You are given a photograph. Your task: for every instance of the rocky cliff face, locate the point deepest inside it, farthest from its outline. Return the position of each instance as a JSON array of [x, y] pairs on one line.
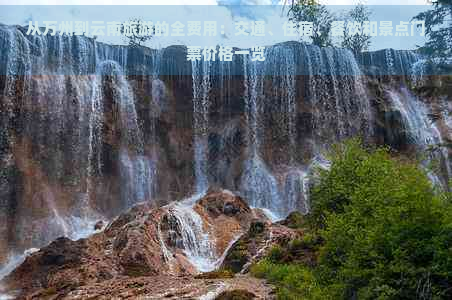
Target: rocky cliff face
[[89, 130], [170, 243]]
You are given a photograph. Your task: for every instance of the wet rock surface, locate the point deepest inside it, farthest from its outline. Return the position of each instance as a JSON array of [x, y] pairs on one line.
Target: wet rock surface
[[131, 256], [105, 136], [164, 287], [256, 244], [120, 126]]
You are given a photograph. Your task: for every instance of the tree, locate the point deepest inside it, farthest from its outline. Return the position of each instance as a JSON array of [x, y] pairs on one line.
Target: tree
[[137, 31], [386, 234], [357, 42], [377, 230], [313, 11], [438, 29]]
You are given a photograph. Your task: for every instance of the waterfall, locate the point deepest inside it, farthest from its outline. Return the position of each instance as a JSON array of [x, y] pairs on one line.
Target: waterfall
[[63, 112], [136, 170], [158, 94], [341, 106], [421, 132], [414, 117], [201, 89], [14, 261], [281, 66], [94, 112], [187, 232], [167, 255], [340, 109], [56, 85], [50, 201], [95, 129], [258, 185], [296, 191], [116, 81], [253, 91], [137, 174]]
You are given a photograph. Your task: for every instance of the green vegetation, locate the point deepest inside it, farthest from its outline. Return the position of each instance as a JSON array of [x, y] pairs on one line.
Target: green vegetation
[[239, 253], [359, 41], [217, 274], [377, 230], [293, 281], [294, 220], [313, 11], [236, 295], [438, 29]]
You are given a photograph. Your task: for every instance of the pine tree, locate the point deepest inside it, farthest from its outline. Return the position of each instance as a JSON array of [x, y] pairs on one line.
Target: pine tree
[[438, 29]]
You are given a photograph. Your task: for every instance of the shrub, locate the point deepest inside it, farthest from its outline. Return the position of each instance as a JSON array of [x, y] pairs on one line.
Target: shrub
[[386, 234], [292, 281], [276, 253], [217, 274], [236, 295], [379, 231]]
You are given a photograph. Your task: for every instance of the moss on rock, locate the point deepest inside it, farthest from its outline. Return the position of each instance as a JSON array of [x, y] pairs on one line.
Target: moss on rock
[[236, 295]]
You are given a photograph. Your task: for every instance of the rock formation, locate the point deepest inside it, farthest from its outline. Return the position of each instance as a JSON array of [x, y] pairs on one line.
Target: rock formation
[[89, 130], [143, 245]]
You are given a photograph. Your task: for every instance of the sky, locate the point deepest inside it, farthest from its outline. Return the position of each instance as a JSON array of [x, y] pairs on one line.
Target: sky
[[225, 11], [197, 2]]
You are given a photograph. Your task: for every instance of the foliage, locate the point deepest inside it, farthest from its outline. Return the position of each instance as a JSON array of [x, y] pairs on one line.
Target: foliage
[[378, 229], [438, 29], [137, 32], [294, 220], [236, 295], [239, 253], [357, 42], [216, 274], [276, 253], [293, 281], [313, 11]]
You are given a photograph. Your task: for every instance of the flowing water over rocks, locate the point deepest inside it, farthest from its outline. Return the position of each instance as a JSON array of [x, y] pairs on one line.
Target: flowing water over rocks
[[178, 240], [90, 130]]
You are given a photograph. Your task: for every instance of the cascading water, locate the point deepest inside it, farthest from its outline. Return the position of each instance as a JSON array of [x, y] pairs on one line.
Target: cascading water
[[187, 232], [258, 185], [414, 116], [294, 185], [281, 66], [201, 89], [158, 94], [296, 191], [49, 119], [421, 132], [342, 107], [94, 137], [63, 106], [115, 80], [14, 261], [135, 168]]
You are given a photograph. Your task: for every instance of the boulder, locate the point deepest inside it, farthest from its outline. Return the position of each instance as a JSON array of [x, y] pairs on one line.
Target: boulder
[[142, 242]]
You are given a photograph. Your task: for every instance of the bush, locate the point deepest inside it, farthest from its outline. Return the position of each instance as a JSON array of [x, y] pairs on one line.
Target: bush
[[217, 274], [292, 281], [276, 253], [236, 295], [386, 234], [379, 231], [294, 220]]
